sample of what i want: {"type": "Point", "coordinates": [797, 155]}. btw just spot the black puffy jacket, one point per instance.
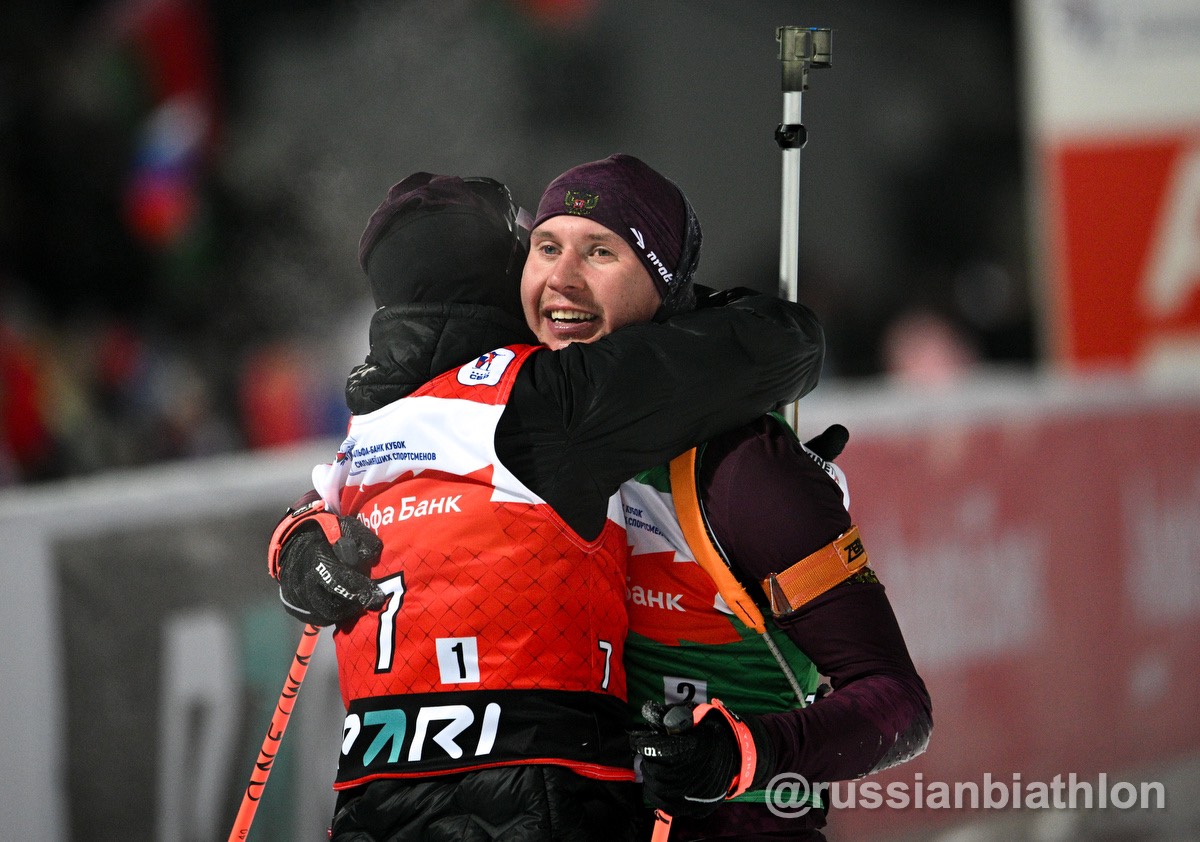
{"type": "Point", "coordinates": [510, 803]}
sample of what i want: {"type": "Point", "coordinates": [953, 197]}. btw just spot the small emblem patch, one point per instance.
{"type": "Point", "coordinates": [487, 370]}
{"type": "Point", "coordinates": [581, 202]}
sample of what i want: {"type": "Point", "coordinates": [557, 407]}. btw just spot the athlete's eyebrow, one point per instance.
{"type": "Point", "coordinates": [605, 236]}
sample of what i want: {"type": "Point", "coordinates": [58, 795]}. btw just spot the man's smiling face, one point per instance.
{"type": "Point", "coordinates": [582, 282]}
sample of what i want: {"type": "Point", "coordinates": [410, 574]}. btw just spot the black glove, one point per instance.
{"type": "Point", "coordinates": [828, 445]}
{"type": "Point", "coordinates": [324, 584]}
{"type": "Point", "coordinates": [687, 769]}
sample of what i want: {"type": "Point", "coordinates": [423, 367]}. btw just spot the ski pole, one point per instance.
{"type": "Point", "coordinates": [279, 723]}
{"type": "Point", "coordinates": [662, 827]}
{"type": "Point", "coordinates": [800, 48]}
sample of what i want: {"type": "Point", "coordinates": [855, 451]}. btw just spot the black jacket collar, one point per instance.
{"type": "Point", "coordinates": [413, 343]}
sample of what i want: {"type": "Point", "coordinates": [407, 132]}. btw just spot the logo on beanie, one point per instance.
{"type": "Point", "coordinates": [652, 258]}
{"type": "Point", "coordinates": [580, 202]}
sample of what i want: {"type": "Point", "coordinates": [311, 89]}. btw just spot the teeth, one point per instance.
{"type": "Point", "coordinates": [570, 316]}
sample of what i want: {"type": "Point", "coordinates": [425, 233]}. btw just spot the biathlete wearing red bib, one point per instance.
{"type": "Point", "coordinates": [502, 639]}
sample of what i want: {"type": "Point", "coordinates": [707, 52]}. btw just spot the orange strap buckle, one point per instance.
{"type": "Point", "coordinates": [810, 577]}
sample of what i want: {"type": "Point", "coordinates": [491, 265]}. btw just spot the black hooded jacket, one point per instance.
{"type": "Point", "coordinates": [582, 420]}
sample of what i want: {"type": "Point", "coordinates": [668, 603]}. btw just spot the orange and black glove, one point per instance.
{"type": "Point", "coordinates": [689, 767]}
{"type": "Point", "coordinates": [321, 561]}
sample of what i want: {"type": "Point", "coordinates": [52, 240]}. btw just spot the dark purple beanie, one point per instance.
{"type": "Point", "coordinates": [644, 208]}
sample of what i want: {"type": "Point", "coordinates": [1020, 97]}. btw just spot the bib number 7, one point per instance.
{"type": "Point", "coordinates": [386, 644]}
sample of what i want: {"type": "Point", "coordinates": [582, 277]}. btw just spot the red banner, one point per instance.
{"type": "Point", "coordinates": [1126, 261]}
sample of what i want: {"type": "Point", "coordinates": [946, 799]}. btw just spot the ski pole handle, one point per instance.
{"type": "Point", "coordinates": [800, 49]}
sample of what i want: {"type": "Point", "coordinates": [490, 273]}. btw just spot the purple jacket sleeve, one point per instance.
{"type": "Point", "coordinates": [770, 505]}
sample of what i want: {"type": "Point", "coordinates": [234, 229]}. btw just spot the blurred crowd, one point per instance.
{"type": "Point", "coordinates": [183, 182]}
{"type": "Point", "coordinates": [124, 339]}
{"type": "Point", "coordinates": [96, 393]}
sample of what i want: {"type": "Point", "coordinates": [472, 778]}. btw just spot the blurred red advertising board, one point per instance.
{"type": "Point", "coordinates": [1045, 568]}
